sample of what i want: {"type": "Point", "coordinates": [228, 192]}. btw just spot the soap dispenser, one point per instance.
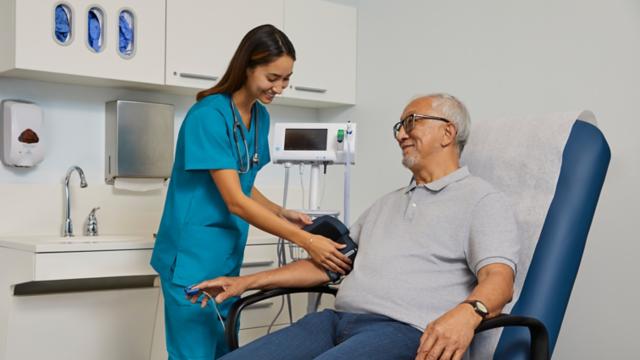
{"type": "Point", "coordinates": [22, 130]}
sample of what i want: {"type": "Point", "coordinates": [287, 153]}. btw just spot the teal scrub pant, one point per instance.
{"type": "Point", "coordinates": [192, 333]}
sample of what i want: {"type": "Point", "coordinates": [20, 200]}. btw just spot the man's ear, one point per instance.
{"type": "Point", "coordinates": [450, 133]}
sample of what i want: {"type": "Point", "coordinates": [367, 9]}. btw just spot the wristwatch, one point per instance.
{"type": "Point", "coordinates": [478, 307]}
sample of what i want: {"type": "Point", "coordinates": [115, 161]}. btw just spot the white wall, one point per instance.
{"type": "Point", "coordinates": [515, 57]}
{"type": "Point", "coordinates": [31, 199]}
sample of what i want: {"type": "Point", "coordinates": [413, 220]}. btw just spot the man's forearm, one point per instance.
{"type": "Point", "coordinates": [452, 332]}
{"type": "Point", "coordinates": [495, 288]}
{"type": "Point", "coordinates": [303, 273]}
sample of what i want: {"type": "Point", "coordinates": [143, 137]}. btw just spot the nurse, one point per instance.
{"type": "Point", "coordinates": [211, 200]}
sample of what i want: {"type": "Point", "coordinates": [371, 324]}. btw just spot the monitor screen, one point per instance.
{"type": "Point", "coordinates": [305, 139]}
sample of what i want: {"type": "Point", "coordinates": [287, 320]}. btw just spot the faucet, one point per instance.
{"type": "Point", "coordinates": [91, 228]}
{"type": "Point", "coordinates": [67, 230]}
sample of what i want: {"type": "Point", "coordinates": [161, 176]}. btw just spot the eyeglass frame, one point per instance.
{"type": "Point", "coordinates": [413, 117]}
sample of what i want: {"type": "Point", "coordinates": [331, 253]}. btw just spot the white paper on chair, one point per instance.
{"type": "Point", "coordinates": [521, 156]}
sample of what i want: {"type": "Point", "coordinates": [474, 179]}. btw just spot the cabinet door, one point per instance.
{"type": "Point", "coordinates": [324, 35]}
{"type": "Point", "coordinates": [37, 49]}
{"type": "Point", "coordinates": [202, 36]}
{"type": "Point", "coordinates": [96, 325]}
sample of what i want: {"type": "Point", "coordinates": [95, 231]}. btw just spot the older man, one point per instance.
{"type": "Point", "coordinates": [435, 258]}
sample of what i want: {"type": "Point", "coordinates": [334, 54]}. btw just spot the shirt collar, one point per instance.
{"type": "Point", "coordinates": [443, 182]}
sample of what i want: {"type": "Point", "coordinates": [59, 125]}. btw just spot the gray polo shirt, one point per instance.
{"type": "Point", "coordinates": [420, 248]}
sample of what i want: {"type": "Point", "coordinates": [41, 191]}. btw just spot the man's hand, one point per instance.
{"type": "Point", "coordinates": [220, 289]}
{"type": "Point", "coordinates": [295, 217]}
{"type": "Point", "coordinates": [449, 336]}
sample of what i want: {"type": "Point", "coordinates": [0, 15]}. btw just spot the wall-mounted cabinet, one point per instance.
{"type": "Point", "coordinates": [104, 39]}
{"type": "Point", "coordinates": [176, 45]}
{"type": "Point", "coordinates": [202, 36]}
{"type": "Point", "coordinates": [324, 35]}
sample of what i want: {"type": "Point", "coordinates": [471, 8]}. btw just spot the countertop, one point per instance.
{"type": "Point", "coordinates": [51, 244]}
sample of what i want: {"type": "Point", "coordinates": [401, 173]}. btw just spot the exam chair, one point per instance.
{"type": "Point", "coordinates": [552, 168]}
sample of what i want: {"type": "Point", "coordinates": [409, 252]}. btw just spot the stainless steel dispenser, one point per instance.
{"type": "Point", "coordinates": [139, 140]}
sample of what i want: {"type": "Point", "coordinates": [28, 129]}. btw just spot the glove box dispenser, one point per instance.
{"type": "Point", "coordinates": [139, 140]}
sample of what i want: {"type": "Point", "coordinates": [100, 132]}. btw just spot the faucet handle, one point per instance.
{"type": "Point", "coordinates": [92, 223]}
{"type": "Point", "coordinates": [92, 213]}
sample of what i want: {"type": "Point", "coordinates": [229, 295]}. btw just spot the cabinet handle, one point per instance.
{"type": "Point", "coordinates": [310, 89]}
{"type": "Point", "coordinates": [257, 264]}
{"type": "Point", "coordinates": [198, 76]}
{"type": "Point", "coordinates": [44, 287]}
{"type": "Point", "coordinates": [262, 305]}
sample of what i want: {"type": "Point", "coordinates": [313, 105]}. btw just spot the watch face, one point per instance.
{"type": "Point", "coordinates": [481, 307]}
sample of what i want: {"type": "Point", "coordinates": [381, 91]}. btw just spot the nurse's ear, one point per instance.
{"type": "Point", "coordinates": [250, 71]}
{"type": "Point", "coordinates": [251, 76]}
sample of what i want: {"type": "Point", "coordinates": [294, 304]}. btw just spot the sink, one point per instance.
{"type": "Point", "coordinates": [92, 239]}
{"type": "Point", "coordinates": [39, 244]}
{"type": "Point", "coordinates": [75, 241]}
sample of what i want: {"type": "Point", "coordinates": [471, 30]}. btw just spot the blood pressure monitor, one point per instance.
{"type": "Point", "coordinates": [314, 143]}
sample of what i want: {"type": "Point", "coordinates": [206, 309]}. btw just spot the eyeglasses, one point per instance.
{"type": "Point", "coordinates": [409, 122]}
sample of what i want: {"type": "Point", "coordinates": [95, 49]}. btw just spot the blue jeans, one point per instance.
{"type": "Point", "coordinates": [335, 335]}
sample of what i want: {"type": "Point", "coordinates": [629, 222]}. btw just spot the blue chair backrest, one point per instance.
{"type": "Point", "coordinates": [557, 255]}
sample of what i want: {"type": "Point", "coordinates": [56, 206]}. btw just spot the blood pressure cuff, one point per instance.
{"type": "Point", "coordinates": [334, 229]}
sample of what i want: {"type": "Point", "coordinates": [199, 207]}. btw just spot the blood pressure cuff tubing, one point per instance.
{"type": "Point", "coordinates": [334, 229]}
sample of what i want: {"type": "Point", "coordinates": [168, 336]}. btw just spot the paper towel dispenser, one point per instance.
{"type": "Point", "coordinates": [139, 140]}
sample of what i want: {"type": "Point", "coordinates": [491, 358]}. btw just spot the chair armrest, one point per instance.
{"type": "Point", "coordinates": [231, 334]}
{"type": "Point", "coordinates": [539, 335]}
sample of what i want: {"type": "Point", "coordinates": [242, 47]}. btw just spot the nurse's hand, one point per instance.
{"type": "Point", "coordinates": [296, 217]}
{"type": "Point", "coordinates": [220, 289]}
{"type": "Point", "coordinates": [326, 253]}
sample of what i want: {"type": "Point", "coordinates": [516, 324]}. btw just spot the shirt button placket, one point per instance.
{"type": "Point", "coordinates": [411, 206]}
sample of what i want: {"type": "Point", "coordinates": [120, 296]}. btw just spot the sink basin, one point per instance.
{"type": "Point", "coordinates": [83, 241]}
{"type": "Point", "coordinates": [39, 244]}
{"type": "Point", "coordinates": [92, 239]}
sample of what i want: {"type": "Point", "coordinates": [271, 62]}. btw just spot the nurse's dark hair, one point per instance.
{"type": "Point", "coordinates": [260, 46]}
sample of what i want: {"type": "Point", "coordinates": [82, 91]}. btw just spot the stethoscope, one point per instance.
{"type": "Point", "coordinates": [255, 159]}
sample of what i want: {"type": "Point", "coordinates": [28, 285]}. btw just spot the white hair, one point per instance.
{"type": "Point", "coordinates": [452, 109]}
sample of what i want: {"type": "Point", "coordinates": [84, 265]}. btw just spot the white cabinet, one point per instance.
{"type": "Point", "coordinates": [30, 47]}
{"type": "Point", "coordinates": [78, 298]}
{"type": "Point", "coordinates": [180, 45]}
{"type": "Point", "coordinates": [202, 36]}
{"type": "Point", "coordinates": [324, 35]}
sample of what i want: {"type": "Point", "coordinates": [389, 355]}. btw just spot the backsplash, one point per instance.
{"type": "Point", "coordinates": [38, 209]}
{"type": "Point", "coordinates": [32, 199]}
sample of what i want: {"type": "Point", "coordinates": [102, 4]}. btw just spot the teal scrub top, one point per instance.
{"type": "Point", "coordinates": [199, 238]}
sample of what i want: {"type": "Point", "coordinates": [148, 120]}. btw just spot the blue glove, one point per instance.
{"type": "Point", "coordinates": [62, 24]}
{"type": "Point", "coordinates": [94, 31]}
{"type": "Point", "coordinates": [126, 35]}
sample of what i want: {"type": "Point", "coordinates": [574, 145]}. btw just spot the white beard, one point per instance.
{"type": "Point", "coordinates": [409, 161]}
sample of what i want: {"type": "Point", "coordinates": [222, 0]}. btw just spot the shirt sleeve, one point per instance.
{"type": "Point", "coordinates": [264, 127]}
{"type": "Point", "coordinates": [208, 141]}
{"type": "Point", "coordinates": [493, 236]}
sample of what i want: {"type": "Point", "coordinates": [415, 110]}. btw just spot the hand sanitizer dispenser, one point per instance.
{"type": "Point", "coordinates": [22, 125]}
